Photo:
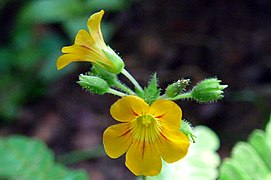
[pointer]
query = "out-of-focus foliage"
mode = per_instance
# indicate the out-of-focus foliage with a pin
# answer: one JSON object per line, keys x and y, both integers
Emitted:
{"x": 25, "y": 158}
{"x": 201, "y": 161}
{"x": 34, "y": 35}
{"x": 250, "y": 160}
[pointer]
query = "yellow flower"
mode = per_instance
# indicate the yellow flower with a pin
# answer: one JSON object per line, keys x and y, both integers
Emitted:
{"x": 91, "y": 47}
{"x": 146, "y": 133}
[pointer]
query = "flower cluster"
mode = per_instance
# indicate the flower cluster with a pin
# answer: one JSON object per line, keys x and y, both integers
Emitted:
{"x": 150, "y": 127}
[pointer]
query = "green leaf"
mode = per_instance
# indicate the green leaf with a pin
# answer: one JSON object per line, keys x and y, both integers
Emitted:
{"x": 25, "y": 158}
{"x": 151, "y": 92}
{"x": 250, "y": 160}
{"x": 258, "y": 140}
{"x": 51, "y": 11}
{"x": 108, "y": 5}
{"x": 268, "y": 132}
{"x": 230, "y": 169}
{"x": 206, "y": 136}
{"x": 244, "y": 152}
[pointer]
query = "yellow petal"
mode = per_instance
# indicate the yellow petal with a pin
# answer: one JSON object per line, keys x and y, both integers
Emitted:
{"x": 169, "y": 114}
{"x": 172, "y": 147}
{"x": 80, "y": 50}
{"x": 84, "y": 39}
{"x": 66, "y": 59}
{"x": 128, "y": 108}
{"x": 142, "y": 158}
{"x": 117, "y": 139}
{"x": 94, "y": 26}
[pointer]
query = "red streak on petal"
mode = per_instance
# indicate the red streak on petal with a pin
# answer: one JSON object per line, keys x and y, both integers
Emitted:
{"x": 125, "y": 133}
{"x": 143, "y": 149}
{"x": 134, "y": 112}
{"x": 164, "y": 136}
{"x": 160, "y": 116}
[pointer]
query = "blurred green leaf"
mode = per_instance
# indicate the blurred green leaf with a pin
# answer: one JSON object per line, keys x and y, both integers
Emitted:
{"x": 250, "y": 160}
{"x": 242, "y": 152}
{"x": 108, "y": 5}
{"x": 268, "y": 132}
{"x": 51, "y": 11}
{"x": 258, "y": 141}
{"x": 5, "y": 60}
{"x": 230, "y": 169}
{"x": 25, "y": 158}
{"x": 206, "y": 136}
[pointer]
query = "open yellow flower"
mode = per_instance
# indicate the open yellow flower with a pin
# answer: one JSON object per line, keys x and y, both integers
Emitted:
{"x": 91, "y": 47}
{"x": 146, "y": 133}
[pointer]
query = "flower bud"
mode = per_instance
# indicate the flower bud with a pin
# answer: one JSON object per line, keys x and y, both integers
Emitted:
{"x": 208, "y": 90}
{"x": 176, "y": 88}
{"x": 187, "y": 129}
{"x": 117, "y": 63}
{"x": 93, "y": 84}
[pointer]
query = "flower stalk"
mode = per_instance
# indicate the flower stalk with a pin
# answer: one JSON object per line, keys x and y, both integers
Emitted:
{"x": 132, "y": 79}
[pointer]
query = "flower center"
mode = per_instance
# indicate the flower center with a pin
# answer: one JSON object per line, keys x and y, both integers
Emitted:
{"x": 145, "y": 119}
{"x": 145, "y": 128}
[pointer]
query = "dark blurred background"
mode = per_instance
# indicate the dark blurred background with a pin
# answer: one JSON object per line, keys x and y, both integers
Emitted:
{"x": 195, "y": 39}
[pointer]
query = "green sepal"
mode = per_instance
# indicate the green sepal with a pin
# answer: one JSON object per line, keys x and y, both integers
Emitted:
{"x": 151, "y": 92}
{"x": 93, "y": 84}
{"x": 109, "y": 77}
{"x": 117, "y": 62}
{"x": 187, "y": 129}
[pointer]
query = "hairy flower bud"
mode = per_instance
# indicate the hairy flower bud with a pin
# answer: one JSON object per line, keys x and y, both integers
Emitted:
{"x": 176, "y": 88}
{"x": 208, "y": 90}
{"x": 93, "y": 84}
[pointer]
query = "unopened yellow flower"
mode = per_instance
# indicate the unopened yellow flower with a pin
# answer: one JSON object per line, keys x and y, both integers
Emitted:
{"x": 146, "y": 133}
{"x": 91, "y": 47}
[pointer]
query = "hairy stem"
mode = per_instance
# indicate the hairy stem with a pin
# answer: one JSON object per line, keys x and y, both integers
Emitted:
{"x": 123, "y": 87}
{"x": 181, "y": 96}
{"x": 115, "y": 92}
{"x": 132, "y": 79}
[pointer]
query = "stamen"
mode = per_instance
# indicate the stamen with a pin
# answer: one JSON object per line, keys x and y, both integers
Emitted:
{"x": 145, "y": 128}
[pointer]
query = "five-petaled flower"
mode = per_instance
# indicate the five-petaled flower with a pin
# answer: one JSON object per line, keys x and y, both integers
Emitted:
{"x": 91, "y": 47}
{"x": 146, "y": 133}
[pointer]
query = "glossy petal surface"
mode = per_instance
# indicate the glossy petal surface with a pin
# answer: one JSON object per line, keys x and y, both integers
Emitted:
{"x": 117, "y": 139}
{"x": 168, "y": 112}
{"x": 143, "y": 158}
{"x": 128, "y": 108}
{"x": 172, "y": 147}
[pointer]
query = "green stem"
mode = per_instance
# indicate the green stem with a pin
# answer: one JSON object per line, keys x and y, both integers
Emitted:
{"x": 123, "y": 87}
{"x": 115, "y": 92}
{"x": 132, "y": 79}
{"x": 181, "y": 96}
{"x": 144, "y": 177}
